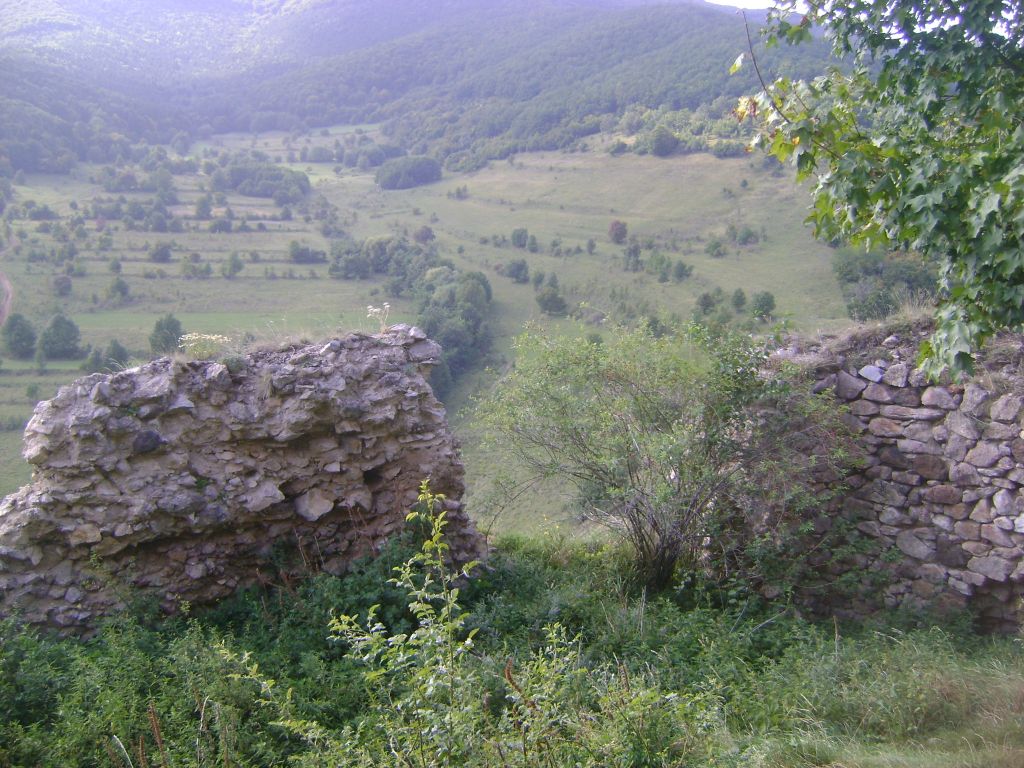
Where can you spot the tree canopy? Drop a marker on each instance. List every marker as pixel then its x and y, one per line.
pixel 916 144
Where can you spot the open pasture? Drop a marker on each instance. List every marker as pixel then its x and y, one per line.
pixel 673 206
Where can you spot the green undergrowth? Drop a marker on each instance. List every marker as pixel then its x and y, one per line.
pixel 546 656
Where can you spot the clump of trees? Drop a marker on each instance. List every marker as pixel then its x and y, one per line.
pixel 618 231
pixel 258 178
pixel 517 270
pixel 60 339
pixel 114 357
pixel 299 253
pixel 407 172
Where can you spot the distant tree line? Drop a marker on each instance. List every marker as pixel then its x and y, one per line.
pixel 574 72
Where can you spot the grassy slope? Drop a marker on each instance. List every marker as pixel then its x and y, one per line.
pixel 555 195
pixel 574 197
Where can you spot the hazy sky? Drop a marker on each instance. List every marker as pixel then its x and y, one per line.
pixel 743 3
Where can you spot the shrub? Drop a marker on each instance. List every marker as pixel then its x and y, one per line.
pixel 654 433
pixel 762 305
pixel 19 336
pixel 617 232
pixel 551 302
pixel 161 253
pixel 60 339
pixel 166 335
pixel 518 270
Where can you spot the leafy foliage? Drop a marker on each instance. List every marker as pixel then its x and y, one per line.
pixel 654 432
pixel 917 146
pixel 874 285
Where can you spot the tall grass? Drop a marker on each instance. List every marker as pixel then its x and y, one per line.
pixel 561 664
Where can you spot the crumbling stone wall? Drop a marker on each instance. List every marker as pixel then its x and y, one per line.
pixel 179 479
pixel 941 485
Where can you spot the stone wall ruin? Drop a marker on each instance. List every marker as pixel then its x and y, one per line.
pixel 181 478
pixel 941 486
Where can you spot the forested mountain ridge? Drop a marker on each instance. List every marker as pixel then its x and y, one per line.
pixel 462 80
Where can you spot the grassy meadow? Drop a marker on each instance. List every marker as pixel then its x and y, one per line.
pixel 673 205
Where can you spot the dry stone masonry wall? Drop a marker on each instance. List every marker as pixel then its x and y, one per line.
pixel 180 479
pixel 941 487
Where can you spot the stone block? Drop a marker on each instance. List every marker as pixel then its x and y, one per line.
pixel 849 387
pixel 878 393
pixel 896 375
pixel 957 447
pixel 916 446
pixel 1003 502
pixel 977 548
pixel 984 455
pixel 871 373
pixel 1001 432
pixel 976 401
pixel 914 547
pixel 918 430
pixel 86 533
pixel 982 512
pixel 1006 408
pixel 943 494
pixel 892 457
pixel 968 530
pixel 992 567
pixel 892 516
pixel 961 424
pixel 964 474
pixel 906 478
pixel 912 414
pixel 1017 450
pixel 883 427
pixel 996 535
pixel 930 467
pixel 864 408
pixel 938 397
